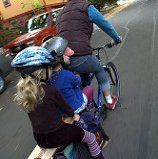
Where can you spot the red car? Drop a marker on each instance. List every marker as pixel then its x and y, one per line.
pixel 39 29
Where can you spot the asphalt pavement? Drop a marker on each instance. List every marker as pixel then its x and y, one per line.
pixel 132 126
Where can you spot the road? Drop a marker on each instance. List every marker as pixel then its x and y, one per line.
pixel 132 126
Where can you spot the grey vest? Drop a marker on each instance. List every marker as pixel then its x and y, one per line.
pixel 73 24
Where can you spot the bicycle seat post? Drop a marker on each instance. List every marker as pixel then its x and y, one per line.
pixel 98 55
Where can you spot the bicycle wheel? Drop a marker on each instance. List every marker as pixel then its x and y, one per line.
pixel 113 78
pixel 103 112
pixel 101 137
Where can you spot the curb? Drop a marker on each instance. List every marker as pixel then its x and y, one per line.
pixel 122 4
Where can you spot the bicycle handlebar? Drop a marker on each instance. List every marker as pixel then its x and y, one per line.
pixel 109 45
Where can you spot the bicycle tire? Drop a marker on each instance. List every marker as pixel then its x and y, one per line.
pixel 103 112
pixel 101 136
pixel 113 78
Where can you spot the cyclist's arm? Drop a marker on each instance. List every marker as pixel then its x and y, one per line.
pixel 96 17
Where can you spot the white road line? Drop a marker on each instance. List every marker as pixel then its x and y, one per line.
pixel 16 147
pixel 119 48
pixel 126 27
pixel 1 108
pixel 153 34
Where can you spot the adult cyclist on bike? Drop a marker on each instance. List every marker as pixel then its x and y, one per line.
pixel 75 23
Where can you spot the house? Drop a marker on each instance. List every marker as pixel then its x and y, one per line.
pixel 18 11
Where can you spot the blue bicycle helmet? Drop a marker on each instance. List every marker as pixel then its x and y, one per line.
pixel 33 56
pixel 32 59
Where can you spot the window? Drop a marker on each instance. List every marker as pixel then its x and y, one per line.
pixel 6 3
pixel 38 22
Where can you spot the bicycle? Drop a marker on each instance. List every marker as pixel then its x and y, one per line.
pixel 113 77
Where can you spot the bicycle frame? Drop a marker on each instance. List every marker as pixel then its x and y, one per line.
pixel 97 104
pixel 112 73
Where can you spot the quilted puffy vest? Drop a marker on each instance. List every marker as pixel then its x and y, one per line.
pixel 73 24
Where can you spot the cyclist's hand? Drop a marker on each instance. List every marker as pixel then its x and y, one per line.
pixel 120 40
pixel 77 74
pixel 112 43
pixel 76 117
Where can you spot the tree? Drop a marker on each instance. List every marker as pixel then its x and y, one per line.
pixel 36 4
pixel 1 21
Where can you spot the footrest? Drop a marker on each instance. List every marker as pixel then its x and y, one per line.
pixel 41 153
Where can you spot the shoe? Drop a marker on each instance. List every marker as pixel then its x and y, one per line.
pixel 113 104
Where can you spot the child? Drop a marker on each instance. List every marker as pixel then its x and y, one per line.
pixel 67 82
pixel 42 103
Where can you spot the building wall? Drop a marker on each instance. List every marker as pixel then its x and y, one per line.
pixel 49 2
pixel 15 7
pixel 14 11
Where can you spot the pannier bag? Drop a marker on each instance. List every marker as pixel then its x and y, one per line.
pixel 89 121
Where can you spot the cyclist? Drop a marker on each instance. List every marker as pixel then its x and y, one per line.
pixel 67 82
pixel 75 23
pixel 42 103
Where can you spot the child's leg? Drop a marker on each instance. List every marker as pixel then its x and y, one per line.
pixel 88 91
pixel 84 104
pixel 73 133
pixel 94 148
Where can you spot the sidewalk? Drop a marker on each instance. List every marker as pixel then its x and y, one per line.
pixel 111 10
pixel 121 2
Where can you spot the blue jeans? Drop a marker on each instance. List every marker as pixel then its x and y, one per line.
pixel 90 64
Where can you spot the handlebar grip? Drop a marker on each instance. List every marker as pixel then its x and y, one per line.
pixel 110 45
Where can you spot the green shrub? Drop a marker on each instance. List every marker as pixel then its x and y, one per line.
pixel 99 4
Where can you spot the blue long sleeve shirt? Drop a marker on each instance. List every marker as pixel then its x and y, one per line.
pixel 69 86
pixel 96 17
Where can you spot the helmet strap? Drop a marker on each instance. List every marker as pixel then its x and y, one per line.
pixel 46 74
pixel 45 80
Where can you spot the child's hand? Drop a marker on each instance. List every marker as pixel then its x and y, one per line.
pixel 66 60
pixel 77 74
pixel 76 117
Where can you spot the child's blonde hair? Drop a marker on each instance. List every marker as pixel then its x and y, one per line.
pixel 29 91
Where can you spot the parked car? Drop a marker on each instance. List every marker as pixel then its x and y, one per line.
pixel 5 69
pixel 38 29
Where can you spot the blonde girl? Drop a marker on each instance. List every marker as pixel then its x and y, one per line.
pixel 43 103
